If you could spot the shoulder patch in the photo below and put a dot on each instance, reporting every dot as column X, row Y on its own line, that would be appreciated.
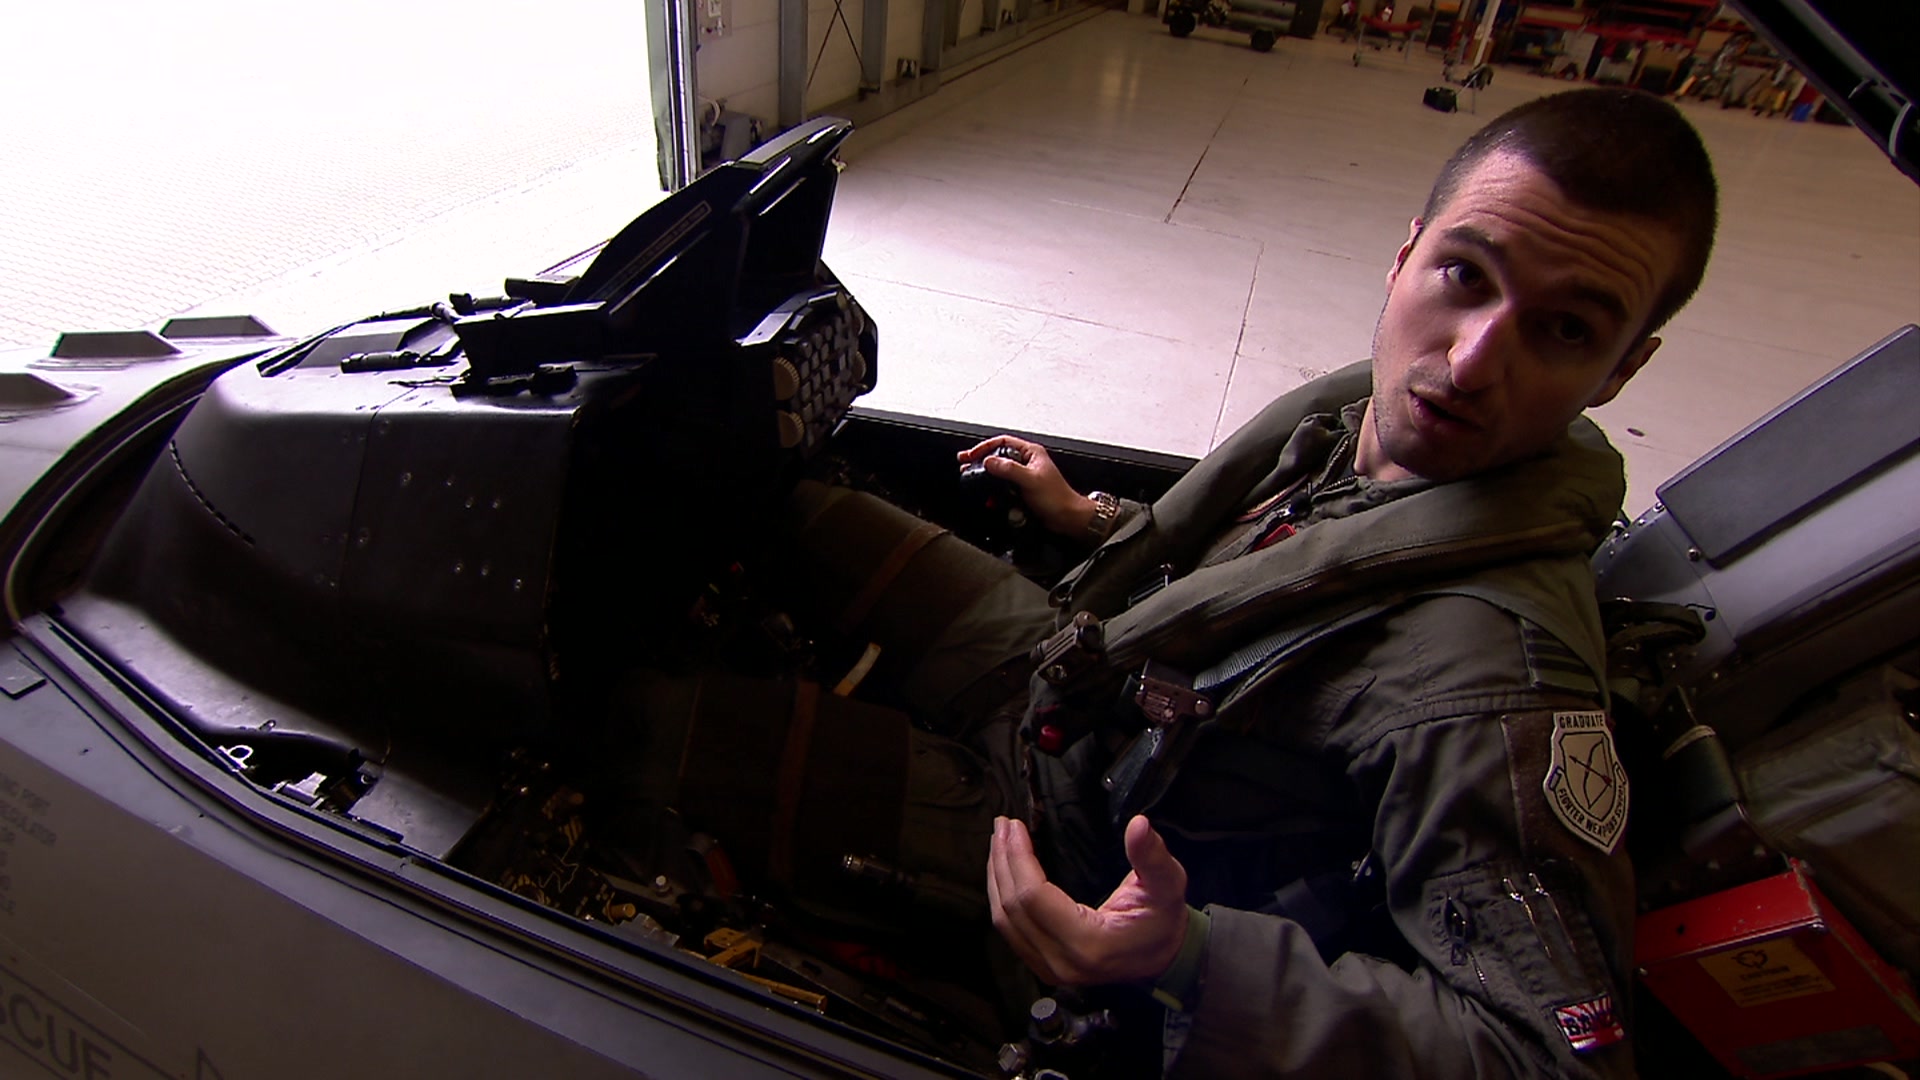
column 1553, row 666
column 1586, row 785
column 1590, row 1025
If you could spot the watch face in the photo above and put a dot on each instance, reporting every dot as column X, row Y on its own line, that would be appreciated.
column 1106, row 509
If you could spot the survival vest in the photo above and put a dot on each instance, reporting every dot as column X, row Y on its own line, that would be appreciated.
column 1518, row 537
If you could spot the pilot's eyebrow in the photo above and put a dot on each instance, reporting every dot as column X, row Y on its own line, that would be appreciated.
column 1471, row 237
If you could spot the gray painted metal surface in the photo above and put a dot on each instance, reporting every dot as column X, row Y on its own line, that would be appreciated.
column 933, row 35
column 793, row 62
column 873, row 44
column 1802, row 571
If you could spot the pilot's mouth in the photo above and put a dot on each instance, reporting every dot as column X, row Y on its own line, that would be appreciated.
column 1436, row 412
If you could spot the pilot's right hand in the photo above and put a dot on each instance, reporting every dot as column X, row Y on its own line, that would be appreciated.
column 1049, row 498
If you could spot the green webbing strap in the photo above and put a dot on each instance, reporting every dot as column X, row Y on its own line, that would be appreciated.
column 1274, row 649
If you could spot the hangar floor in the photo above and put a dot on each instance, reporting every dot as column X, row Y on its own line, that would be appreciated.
column 1111, row 234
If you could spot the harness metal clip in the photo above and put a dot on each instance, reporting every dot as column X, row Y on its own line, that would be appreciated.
column 1077, row 646
column 1166, row 696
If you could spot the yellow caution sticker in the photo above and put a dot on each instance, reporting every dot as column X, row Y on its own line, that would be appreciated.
column 1766, row 972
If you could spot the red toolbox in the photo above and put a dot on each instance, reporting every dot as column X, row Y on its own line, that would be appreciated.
column 1775, row 982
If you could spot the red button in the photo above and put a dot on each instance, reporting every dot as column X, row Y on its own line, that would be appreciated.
column 1051, row 739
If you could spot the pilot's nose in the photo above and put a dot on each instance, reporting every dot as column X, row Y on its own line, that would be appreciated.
column 1483, row 345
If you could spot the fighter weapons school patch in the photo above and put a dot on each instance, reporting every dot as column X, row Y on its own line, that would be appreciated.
column 1586, row 785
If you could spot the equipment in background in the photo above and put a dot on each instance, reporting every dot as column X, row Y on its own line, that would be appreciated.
column 1765, row 678
column 1736, row 942
column 1346, row 20
column 1265, row 20
column 1474, row 78
column 1065, row 1037
column 1839, row 786
column 1387, row 31
column 1773, row 981
column 1805, row 566
column 1445, row 99
column 725, row 135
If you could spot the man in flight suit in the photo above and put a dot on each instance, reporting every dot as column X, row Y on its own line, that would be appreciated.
column 1398, row 569
column 1367, row 818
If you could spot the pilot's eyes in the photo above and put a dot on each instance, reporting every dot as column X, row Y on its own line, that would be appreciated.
column 1471, row 285
column 1569, row 330
column 1463, row 275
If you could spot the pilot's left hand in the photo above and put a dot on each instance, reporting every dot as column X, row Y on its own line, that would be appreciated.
column 1134, row 936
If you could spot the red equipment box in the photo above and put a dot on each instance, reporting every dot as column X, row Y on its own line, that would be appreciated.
column 1775, row 982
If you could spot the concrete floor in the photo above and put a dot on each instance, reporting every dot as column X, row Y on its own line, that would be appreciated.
column 1110, row 235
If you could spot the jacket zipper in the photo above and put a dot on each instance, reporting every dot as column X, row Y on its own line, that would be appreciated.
column 1460, row 933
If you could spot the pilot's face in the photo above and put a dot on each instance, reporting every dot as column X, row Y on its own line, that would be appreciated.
column 1508, row 314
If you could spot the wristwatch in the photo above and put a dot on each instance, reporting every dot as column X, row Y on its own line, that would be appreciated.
column 1106, row 509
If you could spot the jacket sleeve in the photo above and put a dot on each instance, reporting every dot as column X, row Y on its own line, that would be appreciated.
column 1519, row 928
column 1129, row 509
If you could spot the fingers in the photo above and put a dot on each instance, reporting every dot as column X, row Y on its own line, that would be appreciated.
column 980, row 450
column 1045, row 490
column 1135, row 934
column 1160, row 874
column 1018, row 470
column 1046, row 928
column 1024, row 871
column 1009, row 916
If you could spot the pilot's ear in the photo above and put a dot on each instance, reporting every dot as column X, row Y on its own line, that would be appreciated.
column 1629, row 366
column 1400, row 259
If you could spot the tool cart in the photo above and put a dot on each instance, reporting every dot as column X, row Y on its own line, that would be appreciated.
column 1264, row 20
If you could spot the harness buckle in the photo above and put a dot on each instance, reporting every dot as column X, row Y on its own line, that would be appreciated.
column 1145, row 768
column 1074, row 648
column 1167, row 696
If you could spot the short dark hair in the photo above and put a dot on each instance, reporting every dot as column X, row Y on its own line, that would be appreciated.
column 1616, row 151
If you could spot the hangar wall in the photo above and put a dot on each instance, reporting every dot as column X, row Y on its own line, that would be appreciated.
column 738, row 57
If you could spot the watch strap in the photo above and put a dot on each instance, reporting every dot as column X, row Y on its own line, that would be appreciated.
column 1106, row 511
